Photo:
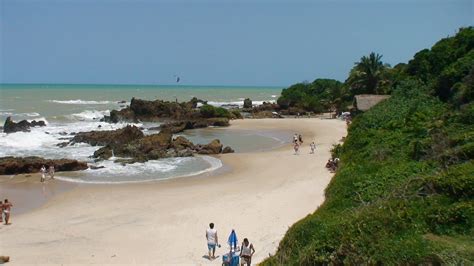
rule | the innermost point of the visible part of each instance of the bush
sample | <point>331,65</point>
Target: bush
<point>209,111</point>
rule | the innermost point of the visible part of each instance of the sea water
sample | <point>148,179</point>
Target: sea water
<point>68,109</point>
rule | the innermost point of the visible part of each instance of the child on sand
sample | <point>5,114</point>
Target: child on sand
<point>313,147</point>
<point>6,210</point>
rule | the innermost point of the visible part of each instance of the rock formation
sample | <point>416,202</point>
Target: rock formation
<point>108,137</point>
<point>19,165</point>
<point>23,125</point>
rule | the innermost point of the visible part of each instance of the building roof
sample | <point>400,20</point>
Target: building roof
<point>366,101</point>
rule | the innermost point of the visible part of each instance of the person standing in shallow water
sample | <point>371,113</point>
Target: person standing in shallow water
<point>212,241</point>
<point>6,210</point>
<point>43,173</point>
<point>51,171</point>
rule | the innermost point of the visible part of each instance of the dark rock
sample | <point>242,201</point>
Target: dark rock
<point>99,126</point>
<point>19,165</point>
<point>228,149</point>
<point>152,111</point>
<point>180,126</point>
<point>214,147</point>
<point>182,143</point>
<point>149,147</point>
<point>93,167</point>
<point>109,137</point>
<point>62,144</point>
<point>23,125</point>
<point>218,122</point>
<point>247,103</point>
<point>123,101</point>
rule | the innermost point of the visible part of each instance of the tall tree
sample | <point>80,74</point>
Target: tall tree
<point>368,75</point>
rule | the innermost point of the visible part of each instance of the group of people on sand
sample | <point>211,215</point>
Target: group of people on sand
<point>332,164</point>
<point>246,250</point>
<point>49,171</point>
<point>298,141</point>
<point>5,209</point>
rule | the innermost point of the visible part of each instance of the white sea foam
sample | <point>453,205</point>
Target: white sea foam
<point>90,115</point>
<point>150,170</point>
<point>30,114</point>
<point>9,113</point>
<point>79,102</point>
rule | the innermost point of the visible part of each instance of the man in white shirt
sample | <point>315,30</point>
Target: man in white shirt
<point>212,241</point>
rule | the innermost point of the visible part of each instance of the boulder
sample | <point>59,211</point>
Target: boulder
<point>214,147</point>
<point>124,115</point>
<point>218,122</point>
<point>228,149</point>
<point>179,126</point>
<point>181,143</point>
<point>149,147</point>
<point>19,165</point>
<point>109,137</point>
<point>23,125</point>
<point>247,103</point>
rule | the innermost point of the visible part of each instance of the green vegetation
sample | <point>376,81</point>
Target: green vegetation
<point>404,193</point>
<point>209,111</point>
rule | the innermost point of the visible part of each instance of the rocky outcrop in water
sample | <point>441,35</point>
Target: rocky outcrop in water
<point>247,103</point>
<point>108,137</point>
<point>151,111</point>
<point>179,116</point>
<point>156,146</point>
<point>179,126</point>
<point>214,147</point>
<point>20,165</point>
<point>23,125</point>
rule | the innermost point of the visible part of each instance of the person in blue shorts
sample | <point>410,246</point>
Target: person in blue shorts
<point>212,241</point>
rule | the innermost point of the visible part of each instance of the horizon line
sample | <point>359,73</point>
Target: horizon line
<point>142,84</point>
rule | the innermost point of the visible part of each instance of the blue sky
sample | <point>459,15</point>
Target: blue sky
<point>225,42</point>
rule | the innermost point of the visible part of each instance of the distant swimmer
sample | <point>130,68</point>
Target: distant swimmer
<point>177,78</point>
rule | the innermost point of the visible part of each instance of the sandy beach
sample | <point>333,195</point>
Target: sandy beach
<point>260,196</point>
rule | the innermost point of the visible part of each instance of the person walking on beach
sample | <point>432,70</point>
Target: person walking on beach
<point>246,253</point>
<point>313,147</point>
<point>51,171</point>
<point>6,210</point>
<point>295,138</point>
<point>300,138</point>
<point>1,212</point>
<point>212,241</point>
<point>43,173</point>
<point>296,147</point>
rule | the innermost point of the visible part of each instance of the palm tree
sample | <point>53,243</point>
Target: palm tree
<point>367,75</point>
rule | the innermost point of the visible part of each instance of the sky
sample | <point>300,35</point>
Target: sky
<point>210,42</point>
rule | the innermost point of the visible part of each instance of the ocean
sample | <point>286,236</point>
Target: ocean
<point>77,108</point>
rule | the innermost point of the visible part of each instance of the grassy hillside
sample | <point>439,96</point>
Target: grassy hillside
<point>404,193</point>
